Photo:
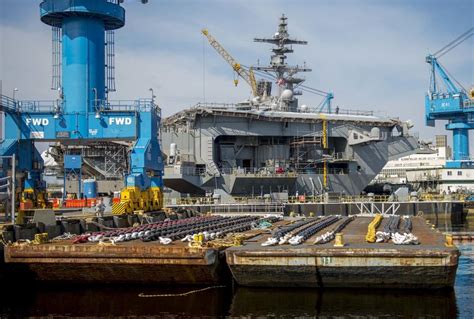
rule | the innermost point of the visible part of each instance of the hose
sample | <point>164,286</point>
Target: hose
<point>288,236</point>
<point>328,236</point>
<point>302,236</point>
<point>210,230</point>
<point>390,228</point>
<point>405,236</point>
<point>131,233</point>
<point>279,234</point>
<point>370,237</point>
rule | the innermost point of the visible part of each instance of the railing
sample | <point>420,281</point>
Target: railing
<point>185,170</point>
<point>351,112</point>
<point>231,106</point>
<point>258,209</point>
<point>443,197</point>
<point>468,104</point>
<point>210,105</point>
<point>256,172</point>
<point>7,103</point>
<point>52,106</point>
<point>308,199</point>
<point>262,172</point>
<point>140,105</point>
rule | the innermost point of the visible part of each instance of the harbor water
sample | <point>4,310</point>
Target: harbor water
<point>111,301</point>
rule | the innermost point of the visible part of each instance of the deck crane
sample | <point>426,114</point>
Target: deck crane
<point>241,71</point>
<point>453,104</point>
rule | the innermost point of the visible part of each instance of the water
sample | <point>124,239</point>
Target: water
<point>241,302</point>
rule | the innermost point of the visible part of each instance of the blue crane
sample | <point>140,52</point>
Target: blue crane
<point>83,114</point>
<point>452,103</point>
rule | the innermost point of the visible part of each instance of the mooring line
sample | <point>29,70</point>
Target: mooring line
<point>142,295</point>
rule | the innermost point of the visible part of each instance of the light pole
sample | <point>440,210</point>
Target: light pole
<point>14,93</point>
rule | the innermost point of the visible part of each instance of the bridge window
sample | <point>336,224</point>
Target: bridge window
<point>459,173</point>
<point>449,173</point>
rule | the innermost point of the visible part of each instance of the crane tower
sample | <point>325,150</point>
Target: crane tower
<point>452,104</point>
<point>82,120</point>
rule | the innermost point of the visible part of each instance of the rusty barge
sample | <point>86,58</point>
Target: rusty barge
<point>358,264</point>
<point>431,264</point>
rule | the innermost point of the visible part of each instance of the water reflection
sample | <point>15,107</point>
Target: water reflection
<point>81,301</point>
<point>242,302</point>
<point>21,300</point>
<point>464,285</point>
<point>354,302</point>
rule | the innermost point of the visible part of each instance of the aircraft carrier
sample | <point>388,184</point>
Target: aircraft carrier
<point>270,144</point>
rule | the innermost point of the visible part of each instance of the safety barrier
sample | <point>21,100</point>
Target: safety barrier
<point>79,203</point>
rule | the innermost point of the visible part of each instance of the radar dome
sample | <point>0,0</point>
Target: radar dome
<point>255,100</point>
<point>304,108</point>
<point>287,95</point>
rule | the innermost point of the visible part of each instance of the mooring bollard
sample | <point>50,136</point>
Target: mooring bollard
<point>339,241</point>
<point>449,240</point>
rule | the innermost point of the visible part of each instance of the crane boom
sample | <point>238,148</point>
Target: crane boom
<point>452,104</point>
<point>245,74</point>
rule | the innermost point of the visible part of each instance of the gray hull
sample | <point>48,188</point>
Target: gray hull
<point>254,153</point>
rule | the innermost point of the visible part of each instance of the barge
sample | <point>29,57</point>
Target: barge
<point>430,264</point>
<point>358,264</point>
<point>130,262</point>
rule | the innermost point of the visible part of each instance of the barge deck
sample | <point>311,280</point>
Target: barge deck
<point>358,264</point>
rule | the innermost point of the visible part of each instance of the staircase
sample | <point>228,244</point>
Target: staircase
<point>8,105</point>
<point>211,167</point>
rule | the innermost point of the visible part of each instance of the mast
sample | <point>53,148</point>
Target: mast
<point>285,74</point>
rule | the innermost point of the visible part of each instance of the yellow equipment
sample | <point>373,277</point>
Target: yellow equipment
<point>370,237</point>
<point>245,74</point>
<point>31,198</point>
<point>133,199</point>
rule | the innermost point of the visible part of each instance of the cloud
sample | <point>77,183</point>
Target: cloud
<point>369,53</point>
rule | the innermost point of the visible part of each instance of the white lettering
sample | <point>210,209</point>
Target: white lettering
<point>120,120</point>
<point>37,122</point>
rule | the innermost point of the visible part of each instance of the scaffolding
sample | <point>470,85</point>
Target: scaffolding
<point>8,187</point>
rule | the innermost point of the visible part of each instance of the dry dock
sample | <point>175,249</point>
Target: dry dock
<point>358,264</point>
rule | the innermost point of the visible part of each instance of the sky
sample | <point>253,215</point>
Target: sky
<point>369,53</point>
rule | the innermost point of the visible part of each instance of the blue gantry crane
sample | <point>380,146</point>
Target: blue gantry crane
<point>83,115</point>
<point>452,103</point>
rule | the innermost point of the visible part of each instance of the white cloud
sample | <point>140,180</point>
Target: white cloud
<point>369,53</point>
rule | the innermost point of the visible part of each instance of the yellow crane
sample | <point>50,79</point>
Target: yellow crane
<point>245,74</point>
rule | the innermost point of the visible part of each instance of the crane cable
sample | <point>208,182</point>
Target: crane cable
<point>304,88</point>
<point>452,77</point>
<point>451,45</point>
